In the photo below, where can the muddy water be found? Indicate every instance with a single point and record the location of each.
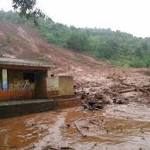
(19, 132)
(116, 127)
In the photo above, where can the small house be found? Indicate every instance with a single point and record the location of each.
(22, 79)
(25, 87)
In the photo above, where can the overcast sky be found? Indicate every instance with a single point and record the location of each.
(132, 16)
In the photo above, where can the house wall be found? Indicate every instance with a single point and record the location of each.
(16, 95)
(60, 86)
(66, 85)
(53, 86)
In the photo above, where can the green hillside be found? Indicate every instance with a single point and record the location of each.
(120, 48)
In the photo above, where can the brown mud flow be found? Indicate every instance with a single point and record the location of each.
(115, 127)
(21, 131)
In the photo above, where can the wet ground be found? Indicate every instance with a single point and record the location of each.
(117, 127)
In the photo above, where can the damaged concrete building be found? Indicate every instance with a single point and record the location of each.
(22, 79)
(25, 87)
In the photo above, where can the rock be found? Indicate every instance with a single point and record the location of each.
(93, 105)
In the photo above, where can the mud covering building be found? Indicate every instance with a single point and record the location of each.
(22, 79)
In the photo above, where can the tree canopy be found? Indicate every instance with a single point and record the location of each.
(26, 8)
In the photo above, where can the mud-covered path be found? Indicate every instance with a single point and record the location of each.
(115, 127)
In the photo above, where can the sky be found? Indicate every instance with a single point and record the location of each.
(131, 16)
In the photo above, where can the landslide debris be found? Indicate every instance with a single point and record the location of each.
(122, 90)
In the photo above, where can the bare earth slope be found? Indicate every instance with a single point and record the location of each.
(22, 42)
(89, 73)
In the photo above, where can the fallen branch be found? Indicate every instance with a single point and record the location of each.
(60, 148)
(127, 90)
(79, 130)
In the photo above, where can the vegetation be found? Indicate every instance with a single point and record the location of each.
(120, 48)
(26, 8)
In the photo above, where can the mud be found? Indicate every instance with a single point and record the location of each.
(115, 127)
(19, 132)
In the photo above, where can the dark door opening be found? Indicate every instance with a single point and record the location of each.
(29, 76)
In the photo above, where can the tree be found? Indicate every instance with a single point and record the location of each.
(27, 9)
(78, 41)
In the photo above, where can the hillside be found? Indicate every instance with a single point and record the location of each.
(23, 42)
(90, 74)
(121, 49)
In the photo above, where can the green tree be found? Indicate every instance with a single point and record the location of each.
(78, 41)
(27, 9)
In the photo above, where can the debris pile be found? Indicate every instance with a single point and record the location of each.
(92, 105)
(119, 92)
(94, 102)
